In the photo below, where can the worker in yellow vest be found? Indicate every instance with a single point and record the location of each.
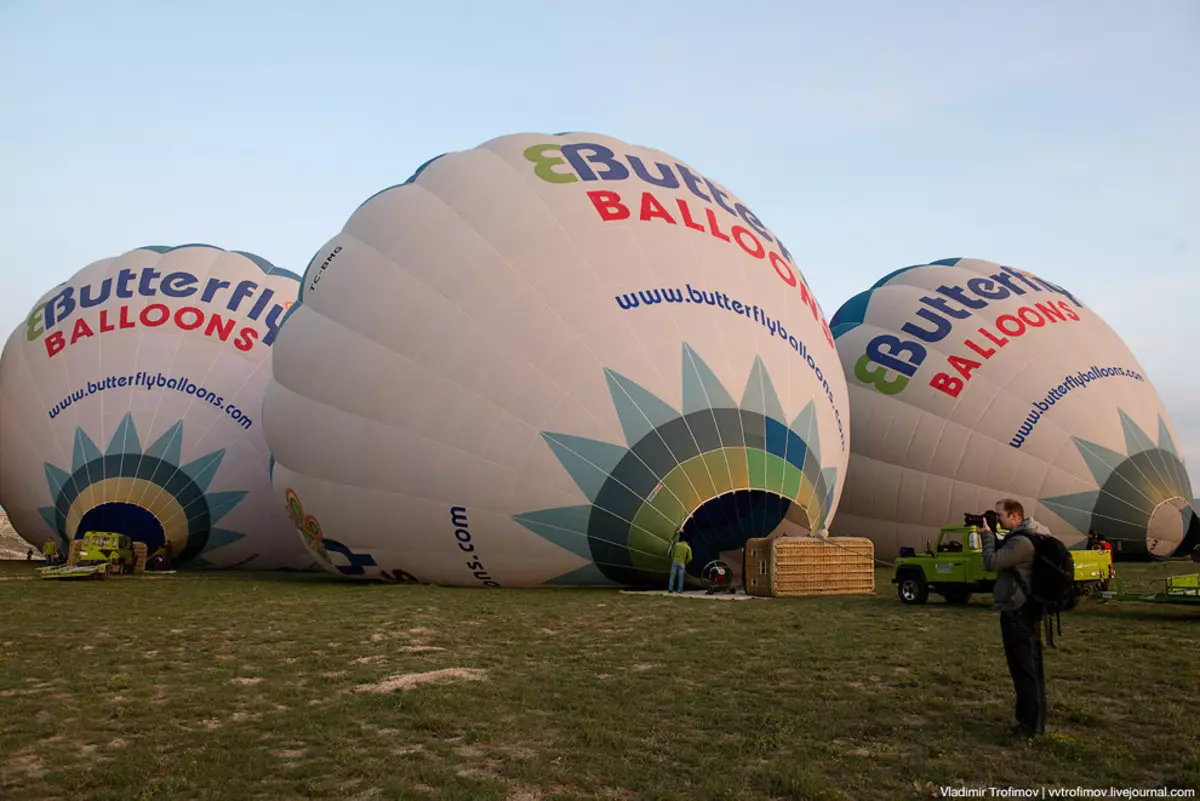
(681, 554)
(50, 550)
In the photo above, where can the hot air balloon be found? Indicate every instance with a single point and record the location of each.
(971, 381)
(534, 362)
(129, 403)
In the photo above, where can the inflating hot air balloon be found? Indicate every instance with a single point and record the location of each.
(970, 382)
(535, 361)
(129, 403)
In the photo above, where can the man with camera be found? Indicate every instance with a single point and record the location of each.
(1020, 618)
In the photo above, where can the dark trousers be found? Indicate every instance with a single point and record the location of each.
(1022, 634)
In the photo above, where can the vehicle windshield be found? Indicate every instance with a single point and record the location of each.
(952, 542)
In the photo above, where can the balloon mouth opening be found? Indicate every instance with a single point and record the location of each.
(1168, 527)
(719, 528)
(120, 517)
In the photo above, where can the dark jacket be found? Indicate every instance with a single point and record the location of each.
(1014, 557)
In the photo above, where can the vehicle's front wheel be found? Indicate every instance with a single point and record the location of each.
(912, 588)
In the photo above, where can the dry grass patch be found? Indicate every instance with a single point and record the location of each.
(407, 681)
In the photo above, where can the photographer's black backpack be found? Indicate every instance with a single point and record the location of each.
(1053, 590)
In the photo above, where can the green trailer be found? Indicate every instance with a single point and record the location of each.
(74, 571)
(1177, 590)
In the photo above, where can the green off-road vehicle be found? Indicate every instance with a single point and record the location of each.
(953, 568)
(100, 554)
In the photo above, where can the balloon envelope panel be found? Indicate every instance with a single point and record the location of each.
(970, 382)
(131, 399)
(534, 361)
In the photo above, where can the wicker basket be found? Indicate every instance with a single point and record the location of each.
(795, 566)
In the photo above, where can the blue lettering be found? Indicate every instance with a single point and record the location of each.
(178, 285)
(123, 279)
(64, 303)
(261, 304)
(357, 560)
(753, 221)
(895, 347)
(148, 275)
(244, 289)
(274, 323)
(600, 155)
(211, 288)
(693, 183)
(666, 178)
(941, 327)
(85, 294)
(719, 196)
(986, 288)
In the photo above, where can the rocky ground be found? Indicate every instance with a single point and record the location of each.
(11, 544)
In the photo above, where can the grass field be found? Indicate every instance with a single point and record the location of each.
(244, 686)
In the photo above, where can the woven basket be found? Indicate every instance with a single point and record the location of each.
(796, 566)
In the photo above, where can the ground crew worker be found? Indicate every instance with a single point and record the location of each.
(681, 554)
(50, 550)
(114, 560)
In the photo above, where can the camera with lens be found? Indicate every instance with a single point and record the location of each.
(988, 518)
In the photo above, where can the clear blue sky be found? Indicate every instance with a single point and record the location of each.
(1061, 137)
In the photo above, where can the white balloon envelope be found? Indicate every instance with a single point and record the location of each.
(130, 401)
(970, 382)
(536, 360)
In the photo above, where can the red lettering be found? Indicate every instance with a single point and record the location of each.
(807, 298)
(964, 366)
(158, 307)
(81, 330)
(1000, 343)
(828, 333)
(786, 273)
(1036, 322)
(105, 326)
(199, 315)
(223, 327)
(246, 336)
(1062, 304)
(1004, 318)
(987, 354)
(948, 384)
(608, 205)
(713, 228)
(686, 214)
(652, 208)
(55, 343)
(125, 322)
(1052, 314)
(739, 232)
